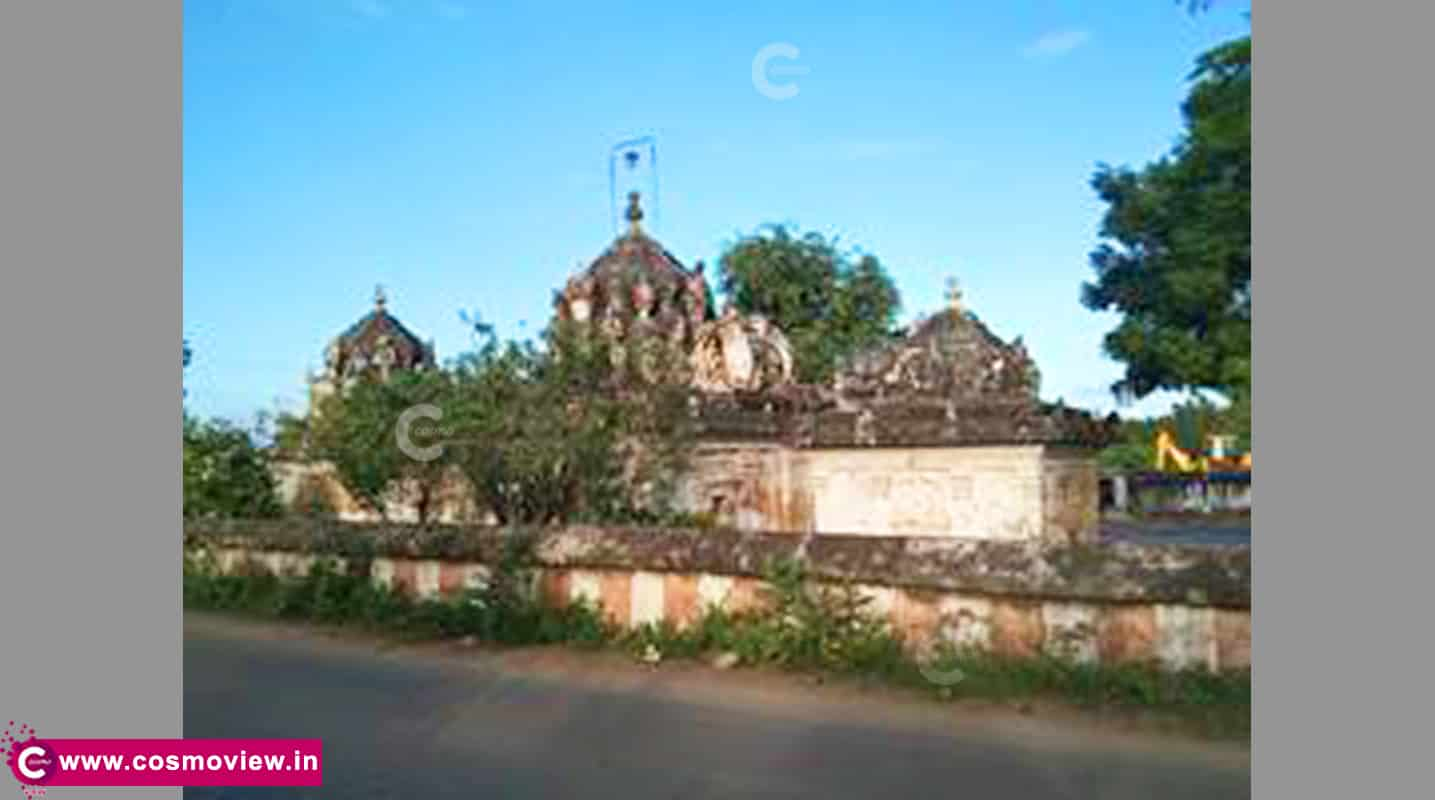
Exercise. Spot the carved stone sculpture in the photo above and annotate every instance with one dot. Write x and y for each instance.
(740, 353)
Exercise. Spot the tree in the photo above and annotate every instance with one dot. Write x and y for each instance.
(291, 435)
(225, 474)
(831, 304)
(558, 433)
(1176, 263)
(185, 355)
(376, 448)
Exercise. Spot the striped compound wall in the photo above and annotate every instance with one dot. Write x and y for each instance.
(1175, 635)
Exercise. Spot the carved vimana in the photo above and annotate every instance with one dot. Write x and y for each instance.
(377, 346)
(637, 289)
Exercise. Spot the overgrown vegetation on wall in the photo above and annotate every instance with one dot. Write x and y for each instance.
(569, 430)
(800, 625)
(225, 474)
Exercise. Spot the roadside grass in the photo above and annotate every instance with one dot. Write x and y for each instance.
(802, 626)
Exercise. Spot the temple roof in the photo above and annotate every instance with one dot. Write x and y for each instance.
(949, 381)
(378, 339)
(951, 357)
(637, 278)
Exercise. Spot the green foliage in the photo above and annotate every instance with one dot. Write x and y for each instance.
(803, 625)
(497, 612)
(1176, 263)
(573, 431)
(817, 626)
(830, 304)
(225, 474)
(358, 432)
(565, 430)
(186, 354)
(1134, 449)
(291, 435)
(1220, 702)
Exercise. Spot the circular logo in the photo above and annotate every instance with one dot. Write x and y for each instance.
(403, 428)
(34, 762)
(944, 677)
(761, 71)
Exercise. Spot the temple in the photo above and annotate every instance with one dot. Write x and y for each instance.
(936, 432)
(376, 346)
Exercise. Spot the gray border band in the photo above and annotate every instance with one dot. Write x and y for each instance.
(90, 149)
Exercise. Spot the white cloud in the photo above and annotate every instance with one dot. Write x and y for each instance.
(1056, 43)
(373, 9)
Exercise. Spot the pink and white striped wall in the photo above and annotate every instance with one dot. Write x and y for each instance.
(1173, 634)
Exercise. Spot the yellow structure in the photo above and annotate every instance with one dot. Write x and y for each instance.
(1169, 457)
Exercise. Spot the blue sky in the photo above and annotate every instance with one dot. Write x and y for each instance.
(456, 152)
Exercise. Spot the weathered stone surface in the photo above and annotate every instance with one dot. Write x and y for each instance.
(917, 617)
(1071, 631)
(1127, 634)
(555, 587)
(682, 604)
(1126, 572)
(1186, 636)
(966, 620)
(914, 424)
(584, 586)
(1017, 628)
(748, 595)
(1233, 639)
(406, 578)
(713, 591)
(647, 603)
(616, 592)
(1172, 635)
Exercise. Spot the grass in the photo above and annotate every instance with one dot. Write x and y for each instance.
(803, 626)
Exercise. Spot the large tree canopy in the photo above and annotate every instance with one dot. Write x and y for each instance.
(357, 432)
(225, 473)
(554, 433)
(828, 302)
(1176, 260)
(540, 432)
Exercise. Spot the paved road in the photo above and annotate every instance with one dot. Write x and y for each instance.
(446, 722)
(1214, 533)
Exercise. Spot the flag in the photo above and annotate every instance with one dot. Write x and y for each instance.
(632, 167)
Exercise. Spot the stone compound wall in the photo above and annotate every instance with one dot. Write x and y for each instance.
(1005, 492)
(1070, 495)
(301, 484)
(998, 492)
(1182, 607)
